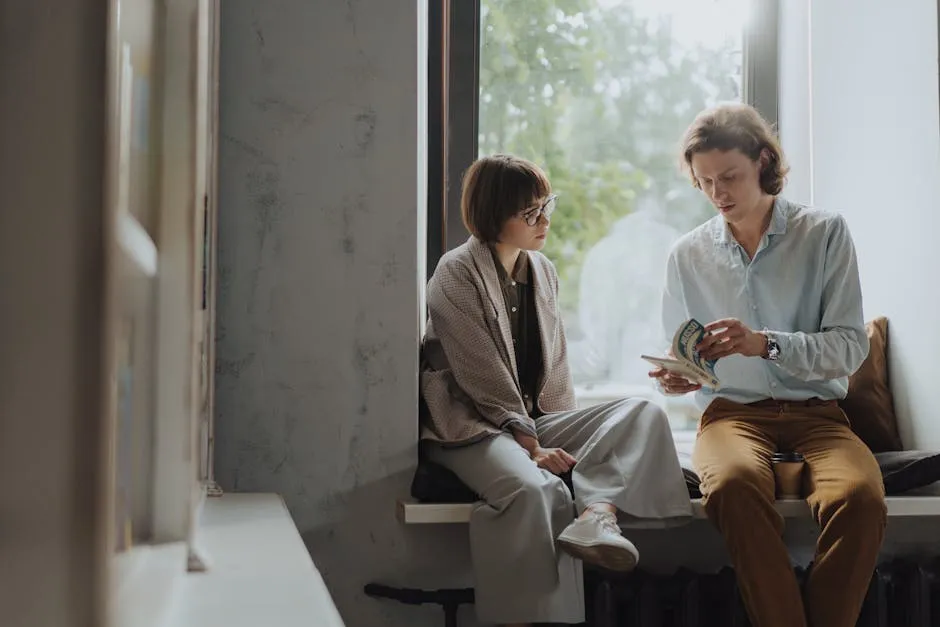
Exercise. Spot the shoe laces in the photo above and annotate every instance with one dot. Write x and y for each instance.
(607, 521)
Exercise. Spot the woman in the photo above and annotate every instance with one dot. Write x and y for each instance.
(501, 413)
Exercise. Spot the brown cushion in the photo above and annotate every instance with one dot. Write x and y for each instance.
(869, 404)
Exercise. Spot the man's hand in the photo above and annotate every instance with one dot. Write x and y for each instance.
(730, 336)
(672, 383)
(554, 460)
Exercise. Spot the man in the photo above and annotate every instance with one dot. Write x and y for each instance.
(778, 285)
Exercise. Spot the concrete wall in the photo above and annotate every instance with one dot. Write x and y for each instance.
(321, 222)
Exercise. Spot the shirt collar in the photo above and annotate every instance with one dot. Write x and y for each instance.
(520, 272)
(778, 223)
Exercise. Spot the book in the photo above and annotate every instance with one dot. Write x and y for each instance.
(685, 360)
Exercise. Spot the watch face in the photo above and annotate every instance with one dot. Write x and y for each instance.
(773, 350)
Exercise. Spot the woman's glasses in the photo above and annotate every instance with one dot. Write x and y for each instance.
(531, 215)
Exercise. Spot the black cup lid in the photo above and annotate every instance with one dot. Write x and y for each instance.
(789, 456)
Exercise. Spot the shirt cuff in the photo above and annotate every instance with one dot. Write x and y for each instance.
(526, 425)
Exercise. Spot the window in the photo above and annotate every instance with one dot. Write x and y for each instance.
(162, 282)
(599, 92)
(161, 294)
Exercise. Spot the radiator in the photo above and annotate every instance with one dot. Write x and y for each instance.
(902, 593)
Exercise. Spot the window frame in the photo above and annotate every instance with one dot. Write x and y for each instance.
(454, 96)
(172, 400)
(184, 180)
(762, 60)
(453, 117)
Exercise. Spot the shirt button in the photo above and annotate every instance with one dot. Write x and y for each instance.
(514, 310)
(754, 307)
(773, 385)
(514, 284)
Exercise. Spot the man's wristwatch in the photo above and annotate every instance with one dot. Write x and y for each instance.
(773, 348)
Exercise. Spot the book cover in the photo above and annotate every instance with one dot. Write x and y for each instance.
(686, 361)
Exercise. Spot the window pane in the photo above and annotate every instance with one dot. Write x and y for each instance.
(599, 92)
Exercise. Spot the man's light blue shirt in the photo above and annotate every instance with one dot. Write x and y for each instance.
(802, 285)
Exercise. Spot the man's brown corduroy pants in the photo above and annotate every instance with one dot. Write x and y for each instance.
(842, 485)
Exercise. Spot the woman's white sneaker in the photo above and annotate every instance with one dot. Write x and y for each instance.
(596, 539)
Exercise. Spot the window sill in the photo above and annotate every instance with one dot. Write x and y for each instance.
(258, 573)
(144, 583)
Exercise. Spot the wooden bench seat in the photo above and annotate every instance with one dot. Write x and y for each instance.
(925, 502)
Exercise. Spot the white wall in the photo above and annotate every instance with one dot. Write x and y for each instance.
(876, 159)
(794, 121)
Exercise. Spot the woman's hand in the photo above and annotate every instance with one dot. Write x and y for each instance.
(554, 460)
(730, 336)
(674, 384)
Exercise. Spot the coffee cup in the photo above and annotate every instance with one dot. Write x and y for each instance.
(788, 474)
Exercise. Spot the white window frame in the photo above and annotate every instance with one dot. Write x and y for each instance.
(174, 401)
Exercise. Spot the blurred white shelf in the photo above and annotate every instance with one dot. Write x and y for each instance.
(259, 570)
(139, 251)
(145, 580)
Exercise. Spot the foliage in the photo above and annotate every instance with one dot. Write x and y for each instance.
(599, 96)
